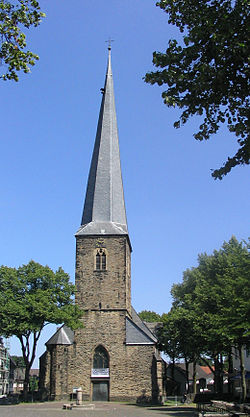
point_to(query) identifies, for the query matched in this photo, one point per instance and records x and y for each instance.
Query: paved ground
(97, 409)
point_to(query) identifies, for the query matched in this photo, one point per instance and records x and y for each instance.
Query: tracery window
(101, 359)
(100, 260)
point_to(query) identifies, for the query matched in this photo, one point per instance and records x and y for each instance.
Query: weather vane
(109, 42)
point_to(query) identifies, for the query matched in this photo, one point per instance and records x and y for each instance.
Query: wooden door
(100, 391)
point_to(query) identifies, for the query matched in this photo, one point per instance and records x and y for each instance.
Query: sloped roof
(200, 372)
(63, 336)
(153, 326)
(137, 332)
(136, 319)
(207, 370)
(104, 207)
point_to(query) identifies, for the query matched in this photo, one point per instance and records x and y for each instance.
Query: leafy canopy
(18, 360)
(217, 293)
(149, 316)
(214, 300)
(208, 75)
(14, 56)
(32, 296)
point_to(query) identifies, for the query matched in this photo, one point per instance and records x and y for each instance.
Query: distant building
(34, 379)
(114, 357)
(4, 368)
(17, 376)
(237, 373)
(177, 382)
(18, 380)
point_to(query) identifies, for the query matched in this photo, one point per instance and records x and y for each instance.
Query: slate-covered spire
(104, 207)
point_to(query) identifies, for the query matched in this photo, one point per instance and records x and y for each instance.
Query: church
(114, 356)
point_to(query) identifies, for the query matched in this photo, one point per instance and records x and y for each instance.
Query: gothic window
(100, 260)
(100, 360)
(104, 260)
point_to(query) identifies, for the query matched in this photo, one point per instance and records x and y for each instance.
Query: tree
(208, 75)
(32, 296)
(168, 340)
(13, 54)
(217, 293)
(149, 316)
(232, 267)
(179, 339)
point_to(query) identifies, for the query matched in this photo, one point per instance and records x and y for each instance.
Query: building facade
(237, 371)
(4, 368)
(114, 357)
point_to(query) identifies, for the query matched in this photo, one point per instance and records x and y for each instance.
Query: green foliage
(13, 53)
(149, 316)
(31, 297)
(214, 301)
(181, 323)
(19, 361)
(169, 336)
(224, 291)
(217, 293)
(33, 383)
(208, 75)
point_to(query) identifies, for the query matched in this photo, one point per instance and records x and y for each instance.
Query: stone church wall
(132, 372)
(133, 368)
(134, 376)
(109, 289)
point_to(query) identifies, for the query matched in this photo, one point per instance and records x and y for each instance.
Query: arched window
(101, 359)
(103, 261)
(100, 260)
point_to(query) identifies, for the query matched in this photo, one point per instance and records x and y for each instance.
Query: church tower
(103, 248)
(114, 356)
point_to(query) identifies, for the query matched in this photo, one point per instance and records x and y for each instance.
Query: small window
(104, 261)
(100, 260)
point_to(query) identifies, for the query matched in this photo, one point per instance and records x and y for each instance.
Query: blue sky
(175, 209)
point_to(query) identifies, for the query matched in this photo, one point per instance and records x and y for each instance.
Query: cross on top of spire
(109, 43)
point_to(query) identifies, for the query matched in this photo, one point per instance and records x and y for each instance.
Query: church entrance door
(100, 391)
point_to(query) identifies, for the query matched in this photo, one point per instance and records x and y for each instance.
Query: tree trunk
(230, 372)
(26, 382)
(242, 374)
(25, 344)
(187, 375)
(207, 363)
(173, 372)
(194, 378)
(217, 375)
(221, 368)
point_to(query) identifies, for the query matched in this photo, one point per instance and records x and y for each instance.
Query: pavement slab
(97, 409)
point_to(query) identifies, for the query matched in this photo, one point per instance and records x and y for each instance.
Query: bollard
(79, 396)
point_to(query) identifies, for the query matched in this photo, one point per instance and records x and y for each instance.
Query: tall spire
(104, 207)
